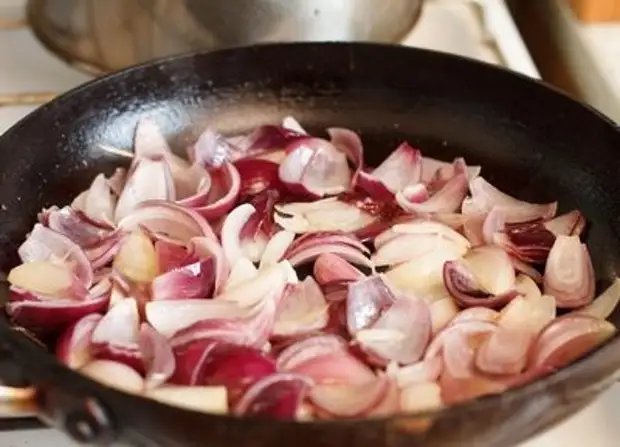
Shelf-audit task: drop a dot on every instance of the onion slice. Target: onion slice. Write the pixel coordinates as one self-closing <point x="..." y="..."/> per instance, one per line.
<point x="276" y="396"/>
<point x="484" y="277"/>
<point x="485" y="196"/>
<point x="302" y="310"/>
<point x="604" y="304"/>
<point x="401" y="168"/>
<point x="401" y="333"/>
<point x="157" y="355"/>
<point x="73" y="348"/>
<point x="568" y="338"/>
<point x="44" y="244"/>
<point x="367" y="299"/>
<point x="569" y="275"/>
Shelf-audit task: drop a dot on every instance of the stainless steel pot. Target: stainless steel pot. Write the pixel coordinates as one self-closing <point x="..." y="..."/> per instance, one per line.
<point x="103" y="36"/>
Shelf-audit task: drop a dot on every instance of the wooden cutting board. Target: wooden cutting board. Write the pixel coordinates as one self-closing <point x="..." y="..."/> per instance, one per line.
<point x="592" y="11"/>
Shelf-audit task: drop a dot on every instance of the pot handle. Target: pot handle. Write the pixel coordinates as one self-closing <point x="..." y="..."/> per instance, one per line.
<point x="84" y="419"/>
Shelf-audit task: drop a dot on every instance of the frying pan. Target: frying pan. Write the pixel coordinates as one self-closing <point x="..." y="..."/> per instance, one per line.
<point x="532" y="141"/>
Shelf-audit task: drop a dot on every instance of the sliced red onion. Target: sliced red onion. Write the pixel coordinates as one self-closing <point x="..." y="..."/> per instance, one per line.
<point x="189" y="360"/>
<point x="115" y="375"/>
<point x="44" y="244"/>
<point x="174" y="221"/>
<point x="568" y="224"/>
<point x="333" y="269"/>
<point x="367" y="299"/>
<point x="349" y="143"/>
<point x="427" y="370"/>
<point x="476" y="314"/>
<point x="413" y="246"/>
<point x="529" y="315"/>
<point x="302" y="310"/>
<point x="569" y="275"/>
<point x="169" y="317"/>
<point x="136" y="259"/>
<point x="401" y="168"/>
<point x="456" y="390"/>
<point x="349" y="400"/>
<point x="308" y="349"/>
<point x="459" y="352"/>
<point x="47" y="281"/>
<point x="469" y="328"/>
<point x="447" y="200"/>
<point x="447" y="172"/>
<point x="526" y="270"/>
<point x="235" y="367"/>
<point x="206" y="247"/>
<point x="276" y="247"/>
<point x="421" y="397"/>
<point x="242" y="271"/>
<point x="309" y="247"/>
<point x="261" y="224"/>
<point x="257" y="176"/>
<point x="205" y="399"/>
<point x="527" y="288"/>
<point x="103" y="252"/>
<point x="290" y="123"/>
<point x="149" y="178"/>
<point x="47" y="316"/>
<point x="157" y="355"/>
<point x="223" y="195"/>
<point x="401" y="333"/>
<point x="99" y="201"/>
<point x="322" y="215"/>
<point x="268" y="282"/>
<point x="433" y="169"/>
<point x="529" y="241"/>
<point x="275" y="396"/>
<point x="116" y="335"/>
<point x="170" y="254"/>
<point x="505" y="351"/>
<point x="191" y="281"/>
<point x="191" y="182"/>
<point x="484" y="277"/>
<point x="77" y="226"/>
<point x="423" y="276"/>
<point x="231" y="232"/>
<point x="212" y="150"/>
<point x="568" y="338"/>
<point x="443" y="311"/>
<point x="485" y="196"/>
<point x="267" y="139"/>
<point x="73" y="347"/>
<point x="116" y="181"/>
<point x="604" y="304"/>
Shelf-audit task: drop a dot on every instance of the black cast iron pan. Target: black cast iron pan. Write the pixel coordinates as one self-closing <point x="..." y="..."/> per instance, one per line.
<point x="532" y="141"/>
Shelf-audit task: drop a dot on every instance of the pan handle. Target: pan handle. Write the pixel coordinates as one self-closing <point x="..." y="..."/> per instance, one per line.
<point x="84" y="419"/>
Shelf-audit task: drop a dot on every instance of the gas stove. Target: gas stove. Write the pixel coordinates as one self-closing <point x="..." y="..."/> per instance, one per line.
<point x="480" y="29"/>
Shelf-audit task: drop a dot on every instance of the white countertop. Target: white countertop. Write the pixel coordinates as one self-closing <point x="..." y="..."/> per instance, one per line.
<point x="447" y="25"/>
